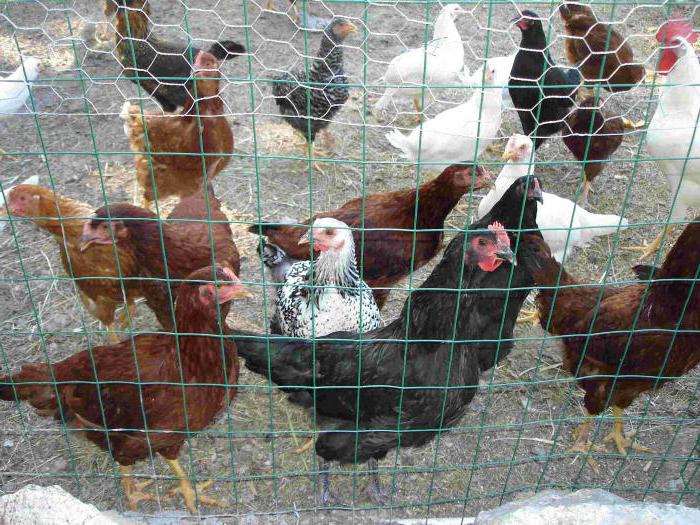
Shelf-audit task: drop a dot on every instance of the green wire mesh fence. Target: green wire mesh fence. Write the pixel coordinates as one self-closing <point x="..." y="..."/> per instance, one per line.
<point x="510" y="434"/>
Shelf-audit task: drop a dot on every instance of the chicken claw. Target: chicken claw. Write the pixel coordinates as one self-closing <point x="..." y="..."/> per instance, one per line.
<point x="375" y="489"/>
<point x="133" y="491"/>
<point x="647" y="249"/>
<point x="188" y="491"/>
<point x="581" y="444"/>
<point x="622" y="441"/>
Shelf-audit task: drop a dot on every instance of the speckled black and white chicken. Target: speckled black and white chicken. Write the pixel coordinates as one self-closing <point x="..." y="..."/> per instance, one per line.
<point x="327" y="89"/>
<point x="334" y="299"/>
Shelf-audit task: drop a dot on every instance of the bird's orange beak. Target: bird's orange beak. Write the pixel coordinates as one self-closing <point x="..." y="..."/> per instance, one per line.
<point x="509" y="155"/>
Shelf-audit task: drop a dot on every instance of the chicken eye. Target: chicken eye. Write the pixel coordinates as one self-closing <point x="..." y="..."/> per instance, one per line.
<point x="482" y="241"/>
<point x="328" y="231"/>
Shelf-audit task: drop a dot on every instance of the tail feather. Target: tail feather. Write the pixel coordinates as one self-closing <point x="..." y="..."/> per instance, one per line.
<point x="600" y="225"/>
<point x="283" y="361"/>
<point x="226" y="49"/>
<point x="400" y="141"/>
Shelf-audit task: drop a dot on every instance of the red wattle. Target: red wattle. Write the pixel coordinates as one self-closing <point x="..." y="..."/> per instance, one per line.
<point x="668" y="60"/>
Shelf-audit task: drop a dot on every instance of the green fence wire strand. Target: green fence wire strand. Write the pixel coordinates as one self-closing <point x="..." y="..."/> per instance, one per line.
<point x="434" y="469"/>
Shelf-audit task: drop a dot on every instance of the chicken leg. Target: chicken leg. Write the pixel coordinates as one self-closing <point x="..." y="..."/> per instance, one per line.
<point x="375" y="490"/>
<point x="133" y="492"/>
<point x="188" y="491"/>
<point x="583" y="196"/>
<point x="581" y="443"/>
<point x="622" y="441"/>
<point x="419" y="109"/>
<point x="650" y="248"/>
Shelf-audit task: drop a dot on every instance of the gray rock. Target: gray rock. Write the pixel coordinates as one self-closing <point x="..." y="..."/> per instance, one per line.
<point x="587" y="507"/>
<point x="35" y="505"/>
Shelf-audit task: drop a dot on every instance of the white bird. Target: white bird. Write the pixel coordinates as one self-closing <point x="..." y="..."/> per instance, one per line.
<point x="564" y="224"/>
<point x="458" y="134"/>
<point x="335" y="300"/>
<point x="440" y="63"/>
<point x="502" y="66"/>
<point x="14" y="89"/>
<point x="673" y="135"/>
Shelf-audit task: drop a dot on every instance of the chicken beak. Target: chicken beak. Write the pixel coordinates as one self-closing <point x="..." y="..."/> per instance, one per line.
<point x="232" y="290"/>
<point x="86" y="240"/>
<point x="508" y="155"/>
<point x="351" y="28"/>
<point x="506" y="254"/>
<point x="306" y="238"/>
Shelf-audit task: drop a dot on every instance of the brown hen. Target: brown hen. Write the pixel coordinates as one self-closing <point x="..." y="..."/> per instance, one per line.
<point x="189" y="235"/>
<point x="145" y="391"/>
<point x="205" y="140"/>
<point x="600" y="53"/>
<point x="97" y="272"/>
<point x="386" y="246"/>
<point x="639" y="339"/>
<point x="592" y="136"/>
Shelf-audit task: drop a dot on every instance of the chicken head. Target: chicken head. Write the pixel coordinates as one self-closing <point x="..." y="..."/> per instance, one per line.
<point x="488" y="249"/>
<point x="670" y="37"/>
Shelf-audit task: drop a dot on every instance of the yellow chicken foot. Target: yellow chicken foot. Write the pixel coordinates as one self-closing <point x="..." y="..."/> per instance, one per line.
<point x="270" y="6"/>
<point x="628" y="124"/>
<point x="188" y="491"/>
<point x="581" y="444"/>
<point x="306" y="446"/>
<point x="529" y="315"/>
<point x="133" y="492"/>
<point x="583" y="196"/>
<point x="622" y="441"/>
<point x="648" y="249"/>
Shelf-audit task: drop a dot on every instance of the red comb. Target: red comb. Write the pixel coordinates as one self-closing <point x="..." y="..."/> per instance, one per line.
<point x="501" y="234"/>
<point x="675" y="28"/>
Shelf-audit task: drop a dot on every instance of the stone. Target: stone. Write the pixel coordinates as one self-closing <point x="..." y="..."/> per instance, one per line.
<point x="35" y="505"/>
<point x="587" y="507"/>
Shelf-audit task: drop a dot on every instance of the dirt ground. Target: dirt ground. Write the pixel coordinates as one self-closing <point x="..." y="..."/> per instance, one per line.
<point x="512" y="441"/>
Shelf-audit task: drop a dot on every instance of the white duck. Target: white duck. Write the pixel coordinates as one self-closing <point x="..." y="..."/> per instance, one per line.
<point x="673" y="136"/>
<point x="458" y="134"/>
<point x="564" y="224"/>
<point x="336" y="299"/>
<point x="442" y="62"/>
<point x="14" y="89"/>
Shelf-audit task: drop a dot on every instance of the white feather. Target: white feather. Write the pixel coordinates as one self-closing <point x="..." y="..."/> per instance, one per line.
<point x="440" y="63"/>
<point x="14" y="89"/>
<point x="674" y="126"/>
<point x="457" y="134"/>
<point x="564" y="224"/>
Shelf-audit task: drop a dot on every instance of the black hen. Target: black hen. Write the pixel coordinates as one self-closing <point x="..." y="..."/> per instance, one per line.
<point x="369" y="414"/>
<point x="327" y="89"/>
<point x="163" y="67"/>
<point x="541" y="92"/>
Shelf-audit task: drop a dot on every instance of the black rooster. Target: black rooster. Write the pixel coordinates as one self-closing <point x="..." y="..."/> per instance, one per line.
<point x="472" y="262"/>
<point x="541" y="92"/>
<point x="163" y="68"/>
<point x="310" y="109"/>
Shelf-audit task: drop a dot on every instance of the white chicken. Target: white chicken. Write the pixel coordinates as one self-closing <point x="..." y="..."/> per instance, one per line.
<point x="14" y="89"/>
<point x="440" y="63"/>
<point x="334" y="298"/>
<point x="502" y="66"/>
<point x="458" y="134"/>
<point x="564" y="224"/>
<point x="673" y="136"/>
